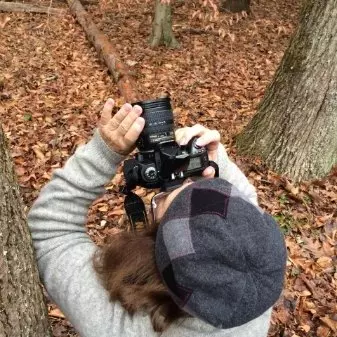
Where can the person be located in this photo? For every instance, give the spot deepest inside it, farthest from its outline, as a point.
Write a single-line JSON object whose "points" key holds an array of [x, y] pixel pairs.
{"points": [[213, 266]]}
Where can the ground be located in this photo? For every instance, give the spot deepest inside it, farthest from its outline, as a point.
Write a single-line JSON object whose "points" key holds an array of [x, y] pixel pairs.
{"points": [[52, 87]]}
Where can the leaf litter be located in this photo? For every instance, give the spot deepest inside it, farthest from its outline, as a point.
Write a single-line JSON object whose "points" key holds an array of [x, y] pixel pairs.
{"points": [[52, 88]]}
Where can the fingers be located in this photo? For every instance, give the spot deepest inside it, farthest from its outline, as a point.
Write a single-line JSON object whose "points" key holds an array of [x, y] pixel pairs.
{"points": [[211, 136], [208, 172], [183, 136], [122, 130], [128, 121], [106, 112], [117, 119], [124, 118], [134, 131], [179, 133]]}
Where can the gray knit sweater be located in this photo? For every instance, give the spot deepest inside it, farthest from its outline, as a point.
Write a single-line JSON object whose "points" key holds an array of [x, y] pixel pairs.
{"points": [[64, 251]]}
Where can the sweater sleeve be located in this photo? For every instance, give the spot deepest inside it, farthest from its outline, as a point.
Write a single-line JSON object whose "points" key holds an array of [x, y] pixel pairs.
{"points": [[230, 172], [64, 251]]}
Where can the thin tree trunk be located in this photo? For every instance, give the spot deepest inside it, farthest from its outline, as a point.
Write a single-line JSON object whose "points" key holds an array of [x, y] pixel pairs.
{"points": [[295, 129], [106, 52], [162, 33], [23, 311], [235, 6], [28, 8]]}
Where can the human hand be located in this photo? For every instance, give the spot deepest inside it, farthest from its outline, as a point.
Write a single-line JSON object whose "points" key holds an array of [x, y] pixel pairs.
{"points": [[121, 131], [208, 138]]}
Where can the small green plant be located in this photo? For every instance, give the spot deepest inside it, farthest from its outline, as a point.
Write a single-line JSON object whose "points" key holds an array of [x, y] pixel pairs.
{"points": [[283, 199], [27, 117], [286, 222], [307, 199], [295, 271]]}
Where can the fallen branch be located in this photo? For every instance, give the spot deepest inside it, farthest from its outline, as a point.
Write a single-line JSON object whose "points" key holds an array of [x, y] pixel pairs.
{"points": [[89, 2], [28, 8], [106, 52], [197, 31]]}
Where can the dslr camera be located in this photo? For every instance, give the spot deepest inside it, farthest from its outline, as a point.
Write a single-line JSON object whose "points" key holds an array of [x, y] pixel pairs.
{"points": [[161, 162]]}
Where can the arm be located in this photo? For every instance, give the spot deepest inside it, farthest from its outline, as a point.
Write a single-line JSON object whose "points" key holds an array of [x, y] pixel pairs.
{"points": [[59, 214], [230, 172], [63, 249]]}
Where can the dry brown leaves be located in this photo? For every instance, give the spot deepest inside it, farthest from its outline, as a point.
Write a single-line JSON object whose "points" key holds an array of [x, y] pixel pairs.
{"points": [[52, 87]]}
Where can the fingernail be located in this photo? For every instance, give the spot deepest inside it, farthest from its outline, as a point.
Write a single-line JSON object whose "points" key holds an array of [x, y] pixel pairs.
{"points": [[127, 107], [183, 141], [138, 109], [140, 120], [198, 142], [209, 171], [110, 101], [140, 123]]}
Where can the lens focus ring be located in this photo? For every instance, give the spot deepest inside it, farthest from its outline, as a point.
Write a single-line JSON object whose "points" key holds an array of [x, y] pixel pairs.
{"points": [[159, 123]]}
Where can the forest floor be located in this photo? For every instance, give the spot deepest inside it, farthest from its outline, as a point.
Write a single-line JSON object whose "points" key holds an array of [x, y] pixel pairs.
{"points": [[52, 87]]}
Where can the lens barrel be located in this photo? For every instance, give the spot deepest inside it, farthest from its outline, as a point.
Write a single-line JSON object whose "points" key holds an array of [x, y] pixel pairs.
{"points": [[159, 123]]}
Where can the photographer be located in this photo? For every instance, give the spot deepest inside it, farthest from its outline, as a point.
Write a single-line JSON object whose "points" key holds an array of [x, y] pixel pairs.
{"points": [[213, 267]]}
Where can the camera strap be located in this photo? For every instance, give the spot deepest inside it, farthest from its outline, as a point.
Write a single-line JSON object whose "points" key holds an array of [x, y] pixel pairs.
{"points": [[216, 168], [135, 207], [136, 212]]}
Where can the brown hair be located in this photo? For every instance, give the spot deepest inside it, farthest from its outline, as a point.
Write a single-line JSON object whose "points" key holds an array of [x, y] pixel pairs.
{"points": [[127, 267]]}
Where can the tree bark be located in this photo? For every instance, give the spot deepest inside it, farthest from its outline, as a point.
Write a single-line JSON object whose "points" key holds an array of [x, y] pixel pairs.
{"points": [[162, 33], [23, 311], [295, 129], [106, 52], [28, 8], [235, 6]]}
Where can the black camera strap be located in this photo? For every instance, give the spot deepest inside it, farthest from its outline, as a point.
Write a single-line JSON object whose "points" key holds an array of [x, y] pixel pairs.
{"points": [[216, 168], [135, 210], [135, 207]]}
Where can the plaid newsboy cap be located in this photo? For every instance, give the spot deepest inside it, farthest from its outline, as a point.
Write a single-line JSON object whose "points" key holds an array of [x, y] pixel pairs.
{"points": [[222, 258]]}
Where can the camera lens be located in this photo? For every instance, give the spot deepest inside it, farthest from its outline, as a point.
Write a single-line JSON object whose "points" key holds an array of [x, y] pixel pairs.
{"points": [[159, 123]]}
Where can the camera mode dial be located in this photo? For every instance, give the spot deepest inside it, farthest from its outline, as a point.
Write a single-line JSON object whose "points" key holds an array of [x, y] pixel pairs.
{"points": [[150, 173]]}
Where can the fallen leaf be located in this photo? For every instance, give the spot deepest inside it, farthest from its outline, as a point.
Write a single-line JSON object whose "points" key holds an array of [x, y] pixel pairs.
{"points": [[116, 212], [131, 63], [324, 261], [20, 171], [4, 22], [39, 154], [56, 313], [323, 331], [305, 327], [103, 208], [329, 322]]}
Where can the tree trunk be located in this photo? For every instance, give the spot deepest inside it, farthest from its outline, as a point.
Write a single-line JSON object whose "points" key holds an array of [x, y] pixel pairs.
{"points": [[23, 311], [162, 27], [28, 8], [235, 6], [295, 129], [119, 71]]}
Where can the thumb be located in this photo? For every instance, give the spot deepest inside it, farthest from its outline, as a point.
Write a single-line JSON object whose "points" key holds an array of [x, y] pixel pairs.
{"points": [[208, 172], [106, 112]]}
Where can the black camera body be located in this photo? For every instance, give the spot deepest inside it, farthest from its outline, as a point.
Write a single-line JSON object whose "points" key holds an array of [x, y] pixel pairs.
{"points": [[161, 162], [165, 166]]}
